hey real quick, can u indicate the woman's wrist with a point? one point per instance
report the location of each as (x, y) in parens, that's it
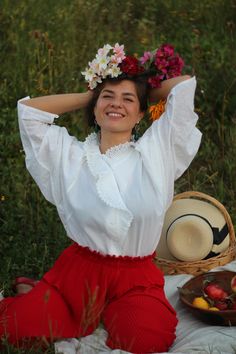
(84, 99)
(162, 92)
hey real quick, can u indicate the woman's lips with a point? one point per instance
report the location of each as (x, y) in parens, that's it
(115, 115)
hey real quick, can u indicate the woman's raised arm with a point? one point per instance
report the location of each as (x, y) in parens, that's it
(162, 92)
(61, 103)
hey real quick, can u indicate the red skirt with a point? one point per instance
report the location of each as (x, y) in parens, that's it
(85, 288)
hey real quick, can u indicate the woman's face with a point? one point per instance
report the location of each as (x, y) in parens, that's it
(118, 108)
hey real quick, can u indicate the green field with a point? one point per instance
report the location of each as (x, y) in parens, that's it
(44, 46)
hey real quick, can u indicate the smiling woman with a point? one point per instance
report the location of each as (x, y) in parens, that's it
(117, 111)
(142, 91)
(111, 194)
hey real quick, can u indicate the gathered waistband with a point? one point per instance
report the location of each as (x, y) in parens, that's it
(95, 255)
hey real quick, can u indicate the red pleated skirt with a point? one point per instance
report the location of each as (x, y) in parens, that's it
(85, 288)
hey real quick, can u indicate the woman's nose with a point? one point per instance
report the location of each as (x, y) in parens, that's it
(116, 103)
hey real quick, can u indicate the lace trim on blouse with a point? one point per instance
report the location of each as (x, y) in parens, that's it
(114, 151)
(106, 184)
(117, 149)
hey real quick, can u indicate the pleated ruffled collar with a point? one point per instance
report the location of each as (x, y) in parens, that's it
(106, 184)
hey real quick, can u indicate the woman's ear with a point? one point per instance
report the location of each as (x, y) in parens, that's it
(141, 115)
(95, 110)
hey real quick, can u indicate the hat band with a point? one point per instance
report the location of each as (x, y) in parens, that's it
(218, 235)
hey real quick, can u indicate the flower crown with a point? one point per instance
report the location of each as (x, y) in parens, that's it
(110, 62)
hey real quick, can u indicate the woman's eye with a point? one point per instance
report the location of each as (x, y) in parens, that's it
(106, 96)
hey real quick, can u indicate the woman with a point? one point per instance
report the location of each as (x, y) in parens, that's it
(111, 193)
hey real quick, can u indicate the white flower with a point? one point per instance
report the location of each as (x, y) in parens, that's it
(102, 62)
(104, 65)
(94, 65)
(105, 50)
(88, 73)
(114, 71)
(93, 83)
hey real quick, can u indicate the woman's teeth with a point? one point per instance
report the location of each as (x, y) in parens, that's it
(117, 115)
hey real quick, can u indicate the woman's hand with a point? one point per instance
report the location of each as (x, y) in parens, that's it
(162, 92)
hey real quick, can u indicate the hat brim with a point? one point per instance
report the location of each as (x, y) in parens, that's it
(169, 246)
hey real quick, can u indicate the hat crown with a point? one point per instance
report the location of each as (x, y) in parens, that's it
(188, 230)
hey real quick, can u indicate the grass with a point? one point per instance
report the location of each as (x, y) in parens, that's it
(45, 44)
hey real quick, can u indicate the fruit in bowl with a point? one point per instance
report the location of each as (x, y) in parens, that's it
(212, 297)
(233, 284)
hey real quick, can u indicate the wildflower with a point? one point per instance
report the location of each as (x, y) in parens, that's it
(130, 66)
(110, 61)
(154, 81)
(89, 74)
(157, 110)
(102, 63)
(119, 52)
(114, 71)
(146, 56)
(104, 51)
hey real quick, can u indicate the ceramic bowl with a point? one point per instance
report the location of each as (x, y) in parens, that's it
(194, 288)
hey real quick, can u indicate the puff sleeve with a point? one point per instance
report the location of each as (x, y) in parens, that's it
(170, 144)
(47, 148)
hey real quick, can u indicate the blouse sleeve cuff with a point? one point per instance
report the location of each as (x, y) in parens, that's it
(186, 88)
(30, 113)
(180, 109)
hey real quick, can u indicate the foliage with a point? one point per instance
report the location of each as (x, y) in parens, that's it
(44, 46)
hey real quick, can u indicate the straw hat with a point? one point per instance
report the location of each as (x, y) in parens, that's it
(193, 230)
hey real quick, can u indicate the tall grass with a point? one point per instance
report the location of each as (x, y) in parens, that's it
(45, 44)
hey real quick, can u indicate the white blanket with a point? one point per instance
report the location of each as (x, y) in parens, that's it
(193, 336)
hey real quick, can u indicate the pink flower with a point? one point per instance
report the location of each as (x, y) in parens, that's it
(161, 64)
(110, 61)
(175, 66)
(119, 52)
(154, 81)
(167, 49)
(146, 56)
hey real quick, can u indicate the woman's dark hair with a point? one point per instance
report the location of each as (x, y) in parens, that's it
(141, 88)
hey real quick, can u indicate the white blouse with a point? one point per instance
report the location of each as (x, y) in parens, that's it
(114, 202)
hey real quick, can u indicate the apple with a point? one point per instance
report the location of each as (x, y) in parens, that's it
(233, 284)
(215, 292)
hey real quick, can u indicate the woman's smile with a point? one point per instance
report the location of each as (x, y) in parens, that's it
(115, 115)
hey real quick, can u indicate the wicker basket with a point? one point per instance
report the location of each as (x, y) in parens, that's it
(170, 267)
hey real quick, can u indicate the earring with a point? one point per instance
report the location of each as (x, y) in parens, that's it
(136, 132)
(96, 126)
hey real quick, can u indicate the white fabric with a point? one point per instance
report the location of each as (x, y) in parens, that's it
(115, 202)
(193, 335)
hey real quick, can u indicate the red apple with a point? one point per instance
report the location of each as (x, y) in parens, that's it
(233, 284)
(215, 292)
